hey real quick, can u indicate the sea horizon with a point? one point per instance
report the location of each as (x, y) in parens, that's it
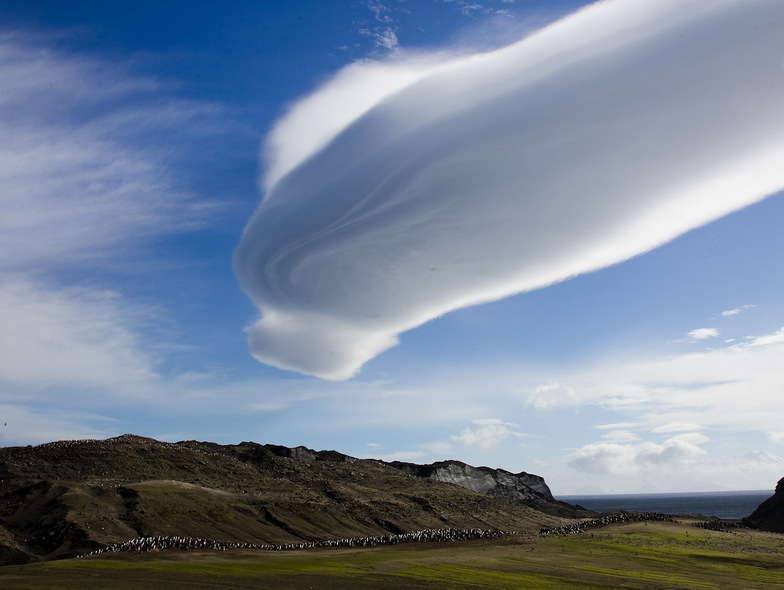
(727, 505)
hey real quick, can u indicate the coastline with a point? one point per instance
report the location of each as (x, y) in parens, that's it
(727, 505)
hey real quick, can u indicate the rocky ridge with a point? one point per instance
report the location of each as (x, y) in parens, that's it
(485, 480)
(498, 483)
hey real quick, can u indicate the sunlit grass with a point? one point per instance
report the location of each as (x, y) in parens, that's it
(658, 555)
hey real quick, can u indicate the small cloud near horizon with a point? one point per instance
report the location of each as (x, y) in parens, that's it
(552, 395)
(703, 333)
(490, 433)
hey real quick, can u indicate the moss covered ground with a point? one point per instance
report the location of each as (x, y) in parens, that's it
(634, 555)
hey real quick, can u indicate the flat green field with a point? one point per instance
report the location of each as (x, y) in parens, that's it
(634, 555)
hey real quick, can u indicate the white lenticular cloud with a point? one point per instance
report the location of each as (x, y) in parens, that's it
(596, 139)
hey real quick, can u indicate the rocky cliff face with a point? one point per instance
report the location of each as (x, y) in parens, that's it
(492, 482)
(769, 516)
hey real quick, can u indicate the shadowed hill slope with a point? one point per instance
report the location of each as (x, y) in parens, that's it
(65, 498)
(769, 516)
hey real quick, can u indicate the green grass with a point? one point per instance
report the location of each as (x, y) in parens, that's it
(657, 555)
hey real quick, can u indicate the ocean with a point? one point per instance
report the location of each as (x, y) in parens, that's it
(726, 505)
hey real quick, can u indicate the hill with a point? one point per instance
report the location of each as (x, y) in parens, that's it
(769, 516)
(66, 498)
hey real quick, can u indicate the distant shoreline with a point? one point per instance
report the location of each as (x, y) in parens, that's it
(728, 505)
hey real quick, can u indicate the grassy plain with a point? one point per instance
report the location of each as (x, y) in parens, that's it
(633, 555)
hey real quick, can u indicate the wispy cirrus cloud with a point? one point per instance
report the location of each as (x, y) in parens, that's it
(385, 38)
(489, 176)
(41, 425)
(383, 31)
(87, 180)
(677, 427)
(69, 336)
(620, 436)
(467, 8)
(80, 177)
(734, 385)
(737, 310)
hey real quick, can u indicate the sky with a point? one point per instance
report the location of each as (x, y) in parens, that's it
(536, 235)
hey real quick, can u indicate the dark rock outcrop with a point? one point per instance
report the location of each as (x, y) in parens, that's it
(769, 516)
(305, 454)
(492, 482)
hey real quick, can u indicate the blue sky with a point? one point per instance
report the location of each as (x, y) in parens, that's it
(558, 255)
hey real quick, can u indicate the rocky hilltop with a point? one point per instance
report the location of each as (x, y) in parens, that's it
(769, 516)
(485, 480)
(66, 498)
(498, 483)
